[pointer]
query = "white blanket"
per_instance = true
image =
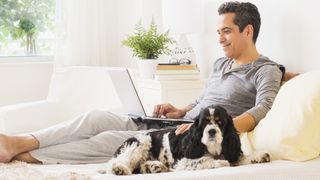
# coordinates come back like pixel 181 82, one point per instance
pixel 275 170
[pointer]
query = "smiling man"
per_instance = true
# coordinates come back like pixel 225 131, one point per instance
pixel 244 82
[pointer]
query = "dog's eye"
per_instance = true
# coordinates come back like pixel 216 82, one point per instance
pixel 219 122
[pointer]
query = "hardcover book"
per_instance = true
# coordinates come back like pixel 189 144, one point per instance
pixel 177 67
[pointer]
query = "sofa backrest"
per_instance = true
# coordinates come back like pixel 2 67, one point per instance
pixel 79 89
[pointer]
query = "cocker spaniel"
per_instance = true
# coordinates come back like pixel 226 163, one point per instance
pixel 211 142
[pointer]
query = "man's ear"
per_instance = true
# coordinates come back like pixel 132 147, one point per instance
pixel 248 31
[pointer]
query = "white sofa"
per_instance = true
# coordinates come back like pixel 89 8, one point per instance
pixel 73 91
pixel 76 90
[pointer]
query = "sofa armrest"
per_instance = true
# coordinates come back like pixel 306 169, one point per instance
pixel 28 117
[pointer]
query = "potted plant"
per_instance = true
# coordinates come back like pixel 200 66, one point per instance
pixel 148 45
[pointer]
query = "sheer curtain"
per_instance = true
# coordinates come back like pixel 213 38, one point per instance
pixel 86 32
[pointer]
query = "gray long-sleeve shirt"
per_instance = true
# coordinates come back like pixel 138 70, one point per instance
pixel 249 88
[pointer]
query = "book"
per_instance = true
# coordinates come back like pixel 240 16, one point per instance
pixel 173 72
pixel 177 77
pixel 177 67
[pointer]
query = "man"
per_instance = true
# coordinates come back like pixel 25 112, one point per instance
pixel 244 82
pixel 257 78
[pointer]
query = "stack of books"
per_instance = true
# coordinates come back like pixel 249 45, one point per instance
pixel 177 72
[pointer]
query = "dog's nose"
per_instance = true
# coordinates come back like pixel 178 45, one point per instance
pixel 212 132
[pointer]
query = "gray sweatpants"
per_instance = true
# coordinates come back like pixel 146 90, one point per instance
pixel 90 138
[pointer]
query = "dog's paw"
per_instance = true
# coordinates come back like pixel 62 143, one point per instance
pixel 153 167
pixel 106 169
pixel 119 169
pixel 102 171
pixel 260 157
pixel 221 163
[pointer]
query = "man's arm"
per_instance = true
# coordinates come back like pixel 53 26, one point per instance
pixel 246 122
pixel 267 82
pixel 243 123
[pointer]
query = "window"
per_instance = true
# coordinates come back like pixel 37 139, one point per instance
pixel 26 27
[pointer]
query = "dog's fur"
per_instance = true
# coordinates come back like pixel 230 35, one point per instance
pixel 211 142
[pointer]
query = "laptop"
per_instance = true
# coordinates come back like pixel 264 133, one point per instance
pixel 130 99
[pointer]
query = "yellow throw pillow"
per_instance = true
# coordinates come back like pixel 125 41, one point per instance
pixel 291 129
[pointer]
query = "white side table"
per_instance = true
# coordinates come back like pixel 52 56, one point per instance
pixel 177 92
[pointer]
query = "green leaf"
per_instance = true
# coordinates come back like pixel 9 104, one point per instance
pixel 148 43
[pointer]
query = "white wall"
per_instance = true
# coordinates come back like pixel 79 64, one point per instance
pixel 24 81
pixel 128 14
pixel 288 34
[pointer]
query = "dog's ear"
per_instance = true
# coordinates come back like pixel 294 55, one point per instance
pixel 202 117
pixel 231 146
pixel 196 121
pixel 192 146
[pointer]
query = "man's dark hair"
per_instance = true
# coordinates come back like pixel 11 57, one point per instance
pixel 245 14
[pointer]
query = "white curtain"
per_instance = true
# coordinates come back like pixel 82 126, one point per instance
pixel 86 32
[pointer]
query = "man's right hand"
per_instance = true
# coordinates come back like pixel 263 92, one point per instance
pixel 168 111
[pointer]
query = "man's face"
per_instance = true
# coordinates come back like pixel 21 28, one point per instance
pixel 232 41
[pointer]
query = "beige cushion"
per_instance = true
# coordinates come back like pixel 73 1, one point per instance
pixel 291 129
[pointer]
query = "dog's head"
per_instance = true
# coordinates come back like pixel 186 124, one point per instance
pixel 218 133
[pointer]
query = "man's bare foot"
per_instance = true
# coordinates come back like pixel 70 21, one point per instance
pixel 6 148
pixel 26 157
pixel 10 146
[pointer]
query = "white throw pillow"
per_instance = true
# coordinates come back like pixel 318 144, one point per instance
pixel 291 129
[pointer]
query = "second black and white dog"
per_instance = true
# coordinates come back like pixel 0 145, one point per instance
pixel 211 142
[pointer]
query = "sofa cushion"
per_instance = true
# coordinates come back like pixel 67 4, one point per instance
pixel 291 129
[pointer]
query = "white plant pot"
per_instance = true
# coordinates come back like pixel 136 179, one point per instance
pixel 147 68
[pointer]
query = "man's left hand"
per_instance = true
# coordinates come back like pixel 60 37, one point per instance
pixel 183 128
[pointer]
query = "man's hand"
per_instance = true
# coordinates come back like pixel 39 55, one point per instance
pixel 183 128
pixel 168 111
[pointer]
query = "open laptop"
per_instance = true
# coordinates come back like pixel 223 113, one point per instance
pixel 130 100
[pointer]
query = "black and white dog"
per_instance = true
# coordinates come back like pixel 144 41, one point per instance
pixel 211 142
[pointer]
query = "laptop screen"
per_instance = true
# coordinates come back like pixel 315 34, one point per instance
pixel 127 92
